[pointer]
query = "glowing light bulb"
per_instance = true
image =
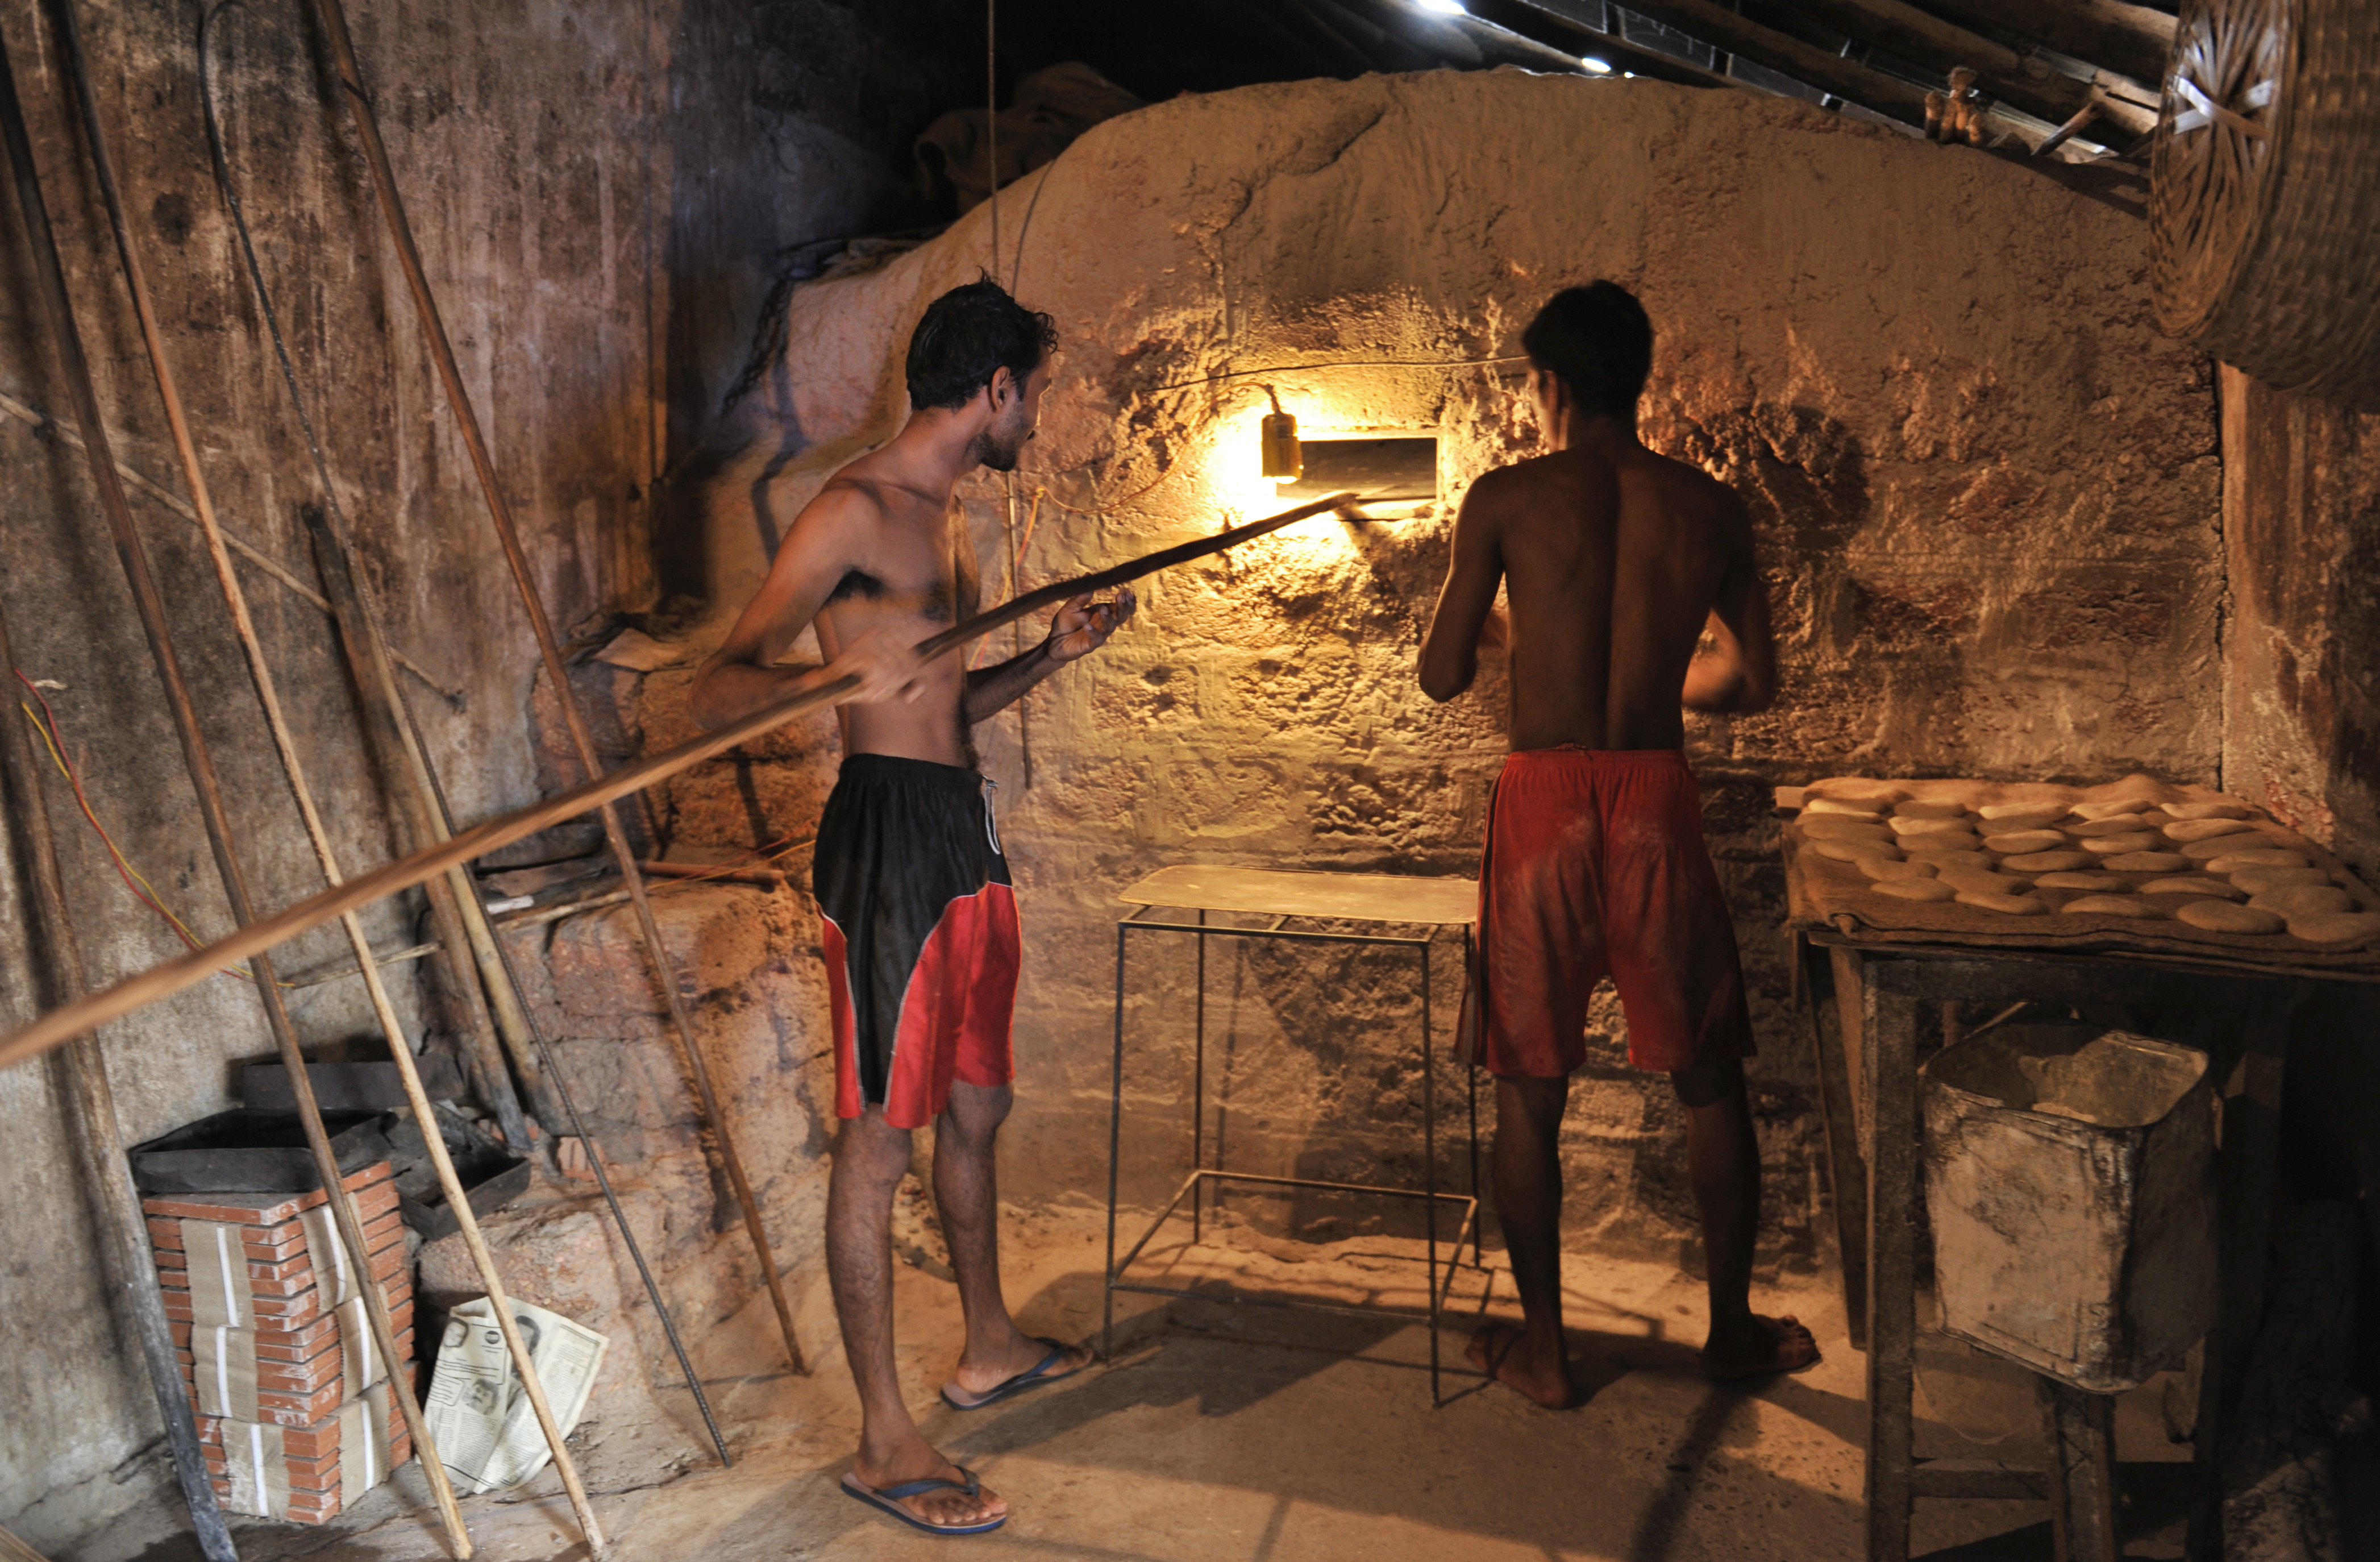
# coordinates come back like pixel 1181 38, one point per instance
pixel 1443 7
pixel 1594 67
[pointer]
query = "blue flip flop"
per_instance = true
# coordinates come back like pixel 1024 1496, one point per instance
pixel 887 1499
pixel 1032 1378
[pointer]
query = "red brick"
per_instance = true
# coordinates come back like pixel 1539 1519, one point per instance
pixel 260 1209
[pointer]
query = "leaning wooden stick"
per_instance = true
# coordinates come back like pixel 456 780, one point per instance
pixel 268 695
pixel 163 980
pixel 50 277
pixel 722 1141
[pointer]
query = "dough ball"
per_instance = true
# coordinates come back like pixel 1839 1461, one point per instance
pixel 1827 827
pixel 2205 829
pixel 2112 810
pixel 2269 858
pixel 1930 827
pixel 2256 881
pixel 1852 851
pixel 1857 788
pixel 2224 846
pixel 1968 878
pixel 2192 885
pixel 1930 808
pixel 1858 808
pixel 2090 829
pixel 2096 884
pixel 1887 868
pixel 2021 815
pixel 2112 905
pixel 2048 862
pixel 1913 889
pixel 1947 859
pixel 2221 808
pixel 2116 846
pixel 2010 905
pixel 2338 930
pixel 2221 916
pixel 2145 862
pixel 2016 842
pixel 2304 900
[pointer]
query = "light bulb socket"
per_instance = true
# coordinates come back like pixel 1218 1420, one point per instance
pixel 1283 457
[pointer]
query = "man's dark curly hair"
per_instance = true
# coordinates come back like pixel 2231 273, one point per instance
pixel 966 333
pixel 1597 340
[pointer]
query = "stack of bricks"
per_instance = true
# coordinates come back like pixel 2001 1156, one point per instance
pixel 292 1393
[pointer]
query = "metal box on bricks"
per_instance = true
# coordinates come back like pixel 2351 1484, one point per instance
pixel 2070 1178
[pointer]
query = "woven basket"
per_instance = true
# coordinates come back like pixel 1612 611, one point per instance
pixel 2264 214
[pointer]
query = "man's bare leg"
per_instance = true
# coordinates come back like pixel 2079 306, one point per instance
pixel 966 1192
pixel 1534 1360
pixel 870 1158
pixel 1723 1163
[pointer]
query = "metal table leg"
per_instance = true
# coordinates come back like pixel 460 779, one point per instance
pixel 1889 1031
pixel 1430 1171
pixel 2080 1430
pixel 1115 1146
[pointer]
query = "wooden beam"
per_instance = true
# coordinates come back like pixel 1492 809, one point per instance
pixel 1714 24
pixel 2132 40
pixel 1571 36
pixel 2008 74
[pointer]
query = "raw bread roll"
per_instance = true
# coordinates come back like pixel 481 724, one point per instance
pixel 2111 906
pixel 2339 929
pixel 2256 881
pixel 2112 810
pixel 2194 885
pixel 2125 826
pixel 2221 916
pixel 2097 884
pixel 2022 815
pixel 1853 788
pixel 2221 808
pixel 1828 827
pixel 2049 861
pixel 1852 851
pixel 1886 868
pixel 2016 842
pixel 1913 889
pixel 2205 829
pixel 2304 900
pixel 2145 862
pixel 2116 846
pixel 1941 860
pixel 1857 808
pixel 1930 808
pixel 2269 858
pixel 1968 878
pixel 2012 904
pixel 2225 846
pixel 1930 827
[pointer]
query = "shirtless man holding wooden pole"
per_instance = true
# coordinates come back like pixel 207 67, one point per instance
pixel 1617 562
pixel 920 922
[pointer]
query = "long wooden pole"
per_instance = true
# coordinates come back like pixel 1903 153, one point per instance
pixel 268 695
pixel 132 1274
pixel 433 331
pixel 170 977
pixel 51 278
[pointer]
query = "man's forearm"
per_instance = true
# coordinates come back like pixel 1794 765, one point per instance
pixel 727 690
pixel 992 690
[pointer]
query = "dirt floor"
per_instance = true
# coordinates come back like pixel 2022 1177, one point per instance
pixel 1225 1431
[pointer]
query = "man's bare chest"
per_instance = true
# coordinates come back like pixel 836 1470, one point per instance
pixel 922 568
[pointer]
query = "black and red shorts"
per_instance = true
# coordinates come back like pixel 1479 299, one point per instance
pixel 921 936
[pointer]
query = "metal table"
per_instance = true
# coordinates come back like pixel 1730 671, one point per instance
pixel 1865 999
pixel 1308 899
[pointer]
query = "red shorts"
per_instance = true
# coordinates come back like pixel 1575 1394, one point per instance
pixel 1595 866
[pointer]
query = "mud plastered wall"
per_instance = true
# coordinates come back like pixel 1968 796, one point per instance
pixel 574 179
pixel 1986 491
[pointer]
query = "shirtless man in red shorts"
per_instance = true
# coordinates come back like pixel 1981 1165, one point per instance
pixel 918 918
pixel 1617 562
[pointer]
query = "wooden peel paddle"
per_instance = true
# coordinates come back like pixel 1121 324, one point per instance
pixel 162 981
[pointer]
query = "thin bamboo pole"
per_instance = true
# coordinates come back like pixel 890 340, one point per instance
pixel 434 330
pixel 268 695
pixel 51 278
pixel 171 976
pixel 131 1272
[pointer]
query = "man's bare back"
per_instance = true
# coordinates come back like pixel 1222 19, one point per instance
pixel 1616 562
